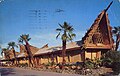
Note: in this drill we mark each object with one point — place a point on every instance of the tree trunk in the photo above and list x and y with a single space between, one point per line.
63 52
52 58
14 55
117 43
30 55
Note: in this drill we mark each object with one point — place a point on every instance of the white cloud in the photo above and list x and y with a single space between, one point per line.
4 45
1 0
39 40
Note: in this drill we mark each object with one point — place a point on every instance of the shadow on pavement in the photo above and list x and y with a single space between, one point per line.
7 71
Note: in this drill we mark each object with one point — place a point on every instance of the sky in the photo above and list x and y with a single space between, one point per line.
40 18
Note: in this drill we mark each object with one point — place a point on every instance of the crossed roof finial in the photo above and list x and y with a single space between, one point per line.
108 6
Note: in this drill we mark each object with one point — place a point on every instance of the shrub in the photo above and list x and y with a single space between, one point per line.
89 64
113 55
110 57
50 64
106 62
97 62
116 67
79 63
23 65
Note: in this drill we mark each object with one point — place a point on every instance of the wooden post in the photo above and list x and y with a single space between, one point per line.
97 54
91 55
40 61
56 59
68 58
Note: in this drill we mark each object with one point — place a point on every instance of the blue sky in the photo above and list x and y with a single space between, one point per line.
19 17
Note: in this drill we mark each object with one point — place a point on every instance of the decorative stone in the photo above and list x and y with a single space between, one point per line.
73 67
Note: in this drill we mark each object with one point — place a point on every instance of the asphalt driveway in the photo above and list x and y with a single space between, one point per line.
5 71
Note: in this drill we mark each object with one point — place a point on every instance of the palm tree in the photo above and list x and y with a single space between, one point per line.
24 38
116 32
6 53
67 35
12 45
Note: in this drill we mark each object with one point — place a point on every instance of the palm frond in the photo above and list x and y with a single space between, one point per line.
12 45
116 28
16 46
4 50
114 31
60 25
58 29
2 53
69 35
70 28
66 31
27 36
58 35
24 37
65 26
20 40
28 39
64 37
73 35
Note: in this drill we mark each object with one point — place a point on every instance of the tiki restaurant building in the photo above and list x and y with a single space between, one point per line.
97 41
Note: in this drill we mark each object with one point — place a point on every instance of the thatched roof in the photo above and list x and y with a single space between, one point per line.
32 48
11 55
48 50
70 45
21 55
22 48
76 44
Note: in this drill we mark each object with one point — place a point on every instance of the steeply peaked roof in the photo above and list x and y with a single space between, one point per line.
32 48
11 53
99 35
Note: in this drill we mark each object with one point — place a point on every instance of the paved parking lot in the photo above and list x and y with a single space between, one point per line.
26 72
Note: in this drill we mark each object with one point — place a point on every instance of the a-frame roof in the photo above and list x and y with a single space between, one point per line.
99 35
32 48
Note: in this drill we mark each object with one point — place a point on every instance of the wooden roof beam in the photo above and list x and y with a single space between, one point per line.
108 6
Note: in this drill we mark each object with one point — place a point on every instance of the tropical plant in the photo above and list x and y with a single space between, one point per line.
89 64
6 53
116 32
116 67
112 59
97 62
24 38
11 46
67 35
113 55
